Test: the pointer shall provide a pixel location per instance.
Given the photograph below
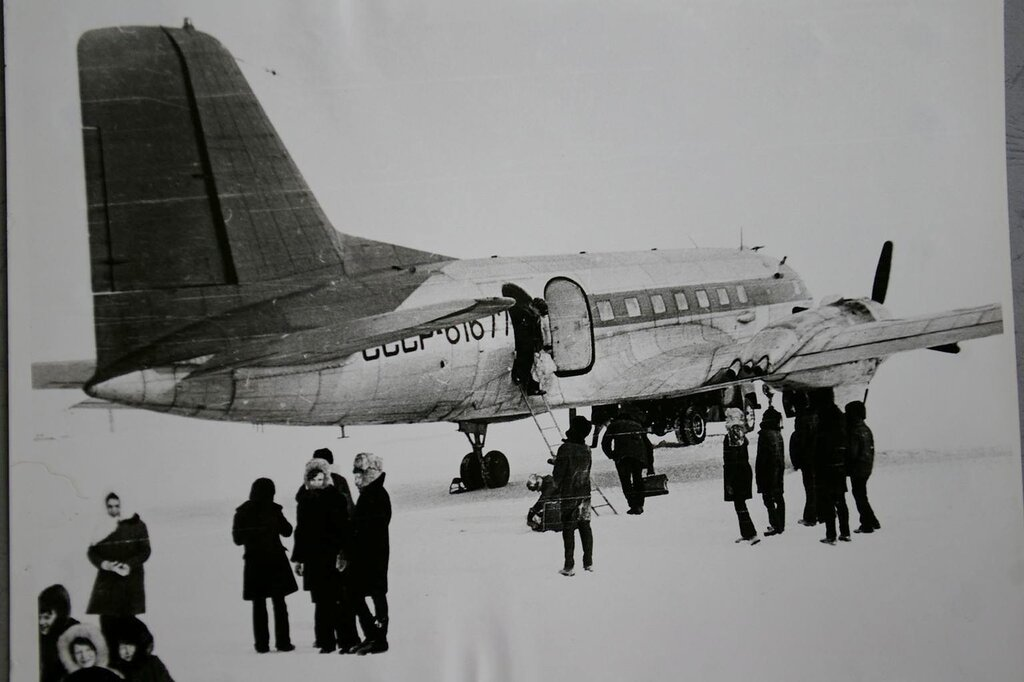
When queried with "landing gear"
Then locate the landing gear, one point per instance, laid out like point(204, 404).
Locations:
point(477, 469)
point(690, 426)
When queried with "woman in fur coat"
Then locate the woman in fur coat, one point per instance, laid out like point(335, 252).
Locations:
point(321, 533)
point(259, 525)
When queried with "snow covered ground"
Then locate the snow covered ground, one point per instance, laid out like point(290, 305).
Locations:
point(938, 594)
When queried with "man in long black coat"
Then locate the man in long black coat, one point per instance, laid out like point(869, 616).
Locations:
point(119, 590)
point(830, 470)
point(802, 443)
point(370, 551)
point(769, 467)
point(861, 460)
point(528, 336)
point(737, 477)
point(54, 619)
point(259, 525)
point(626, 443)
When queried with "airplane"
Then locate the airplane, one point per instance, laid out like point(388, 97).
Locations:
point(221, 290)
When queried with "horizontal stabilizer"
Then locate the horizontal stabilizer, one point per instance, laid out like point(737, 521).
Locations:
point(336, 342)
point(62, 374)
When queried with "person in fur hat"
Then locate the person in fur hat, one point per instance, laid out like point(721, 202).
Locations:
point(134, 656)
point(119, 549)
point(370, 552)
point(572, 486)
point(259, 525)
point(347, 635)
point(321, 533)
point(769, 466)
point(54, 619)
point(83, 651)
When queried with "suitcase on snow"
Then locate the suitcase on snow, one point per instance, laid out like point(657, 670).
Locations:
point(654, 485)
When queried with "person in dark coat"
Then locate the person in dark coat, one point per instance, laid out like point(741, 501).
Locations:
point(526, 328)
point(54, 619)
point(321, 532)
point(769, 467)
point(571, 478)
point(134, 657)
point(259, 525)
point(626, 443)
point(119, 590)
point(738, 477)
point(370, 552)
point(861, 454)
point(830, 470)
point(801, 452)
point(347, 635)
point(83, 651)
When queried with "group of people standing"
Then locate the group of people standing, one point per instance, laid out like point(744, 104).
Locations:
point(341, 550)
point(826, 446)
point(121, 646)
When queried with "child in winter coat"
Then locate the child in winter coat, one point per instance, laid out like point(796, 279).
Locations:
point(134, 656)
point(83, 651)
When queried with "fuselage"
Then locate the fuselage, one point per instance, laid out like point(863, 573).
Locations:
point(632, 324)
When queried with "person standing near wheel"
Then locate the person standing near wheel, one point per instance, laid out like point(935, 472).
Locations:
point(862, 458)
point(769, 466)
point(737, 475)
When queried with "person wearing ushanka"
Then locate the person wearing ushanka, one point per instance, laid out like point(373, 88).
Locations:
point(119, 549)
point(769, 467)
point(133, 656)
point(737, 474)
point(572, 487)
point(321, 531)
point(84, 653)
point(370, 553)
point(259, 525)
point(54, 619)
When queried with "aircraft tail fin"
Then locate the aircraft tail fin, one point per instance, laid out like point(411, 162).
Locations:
point(194, 204)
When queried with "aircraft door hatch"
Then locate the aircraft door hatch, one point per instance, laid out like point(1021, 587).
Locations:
point(572, 331)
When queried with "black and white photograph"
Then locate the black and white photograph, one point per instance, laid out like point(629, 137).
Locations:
point(510, 341)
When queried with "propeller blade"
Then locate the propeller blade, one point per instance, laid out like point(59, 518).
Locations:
point(881, 284)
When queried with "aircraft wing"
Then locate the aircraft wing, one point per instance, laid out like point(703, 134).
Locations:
point(338, 341)
point(702, 367)
point(836, 346)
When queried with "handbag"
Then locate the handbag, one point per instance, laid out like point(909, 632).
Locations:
point(654, 485)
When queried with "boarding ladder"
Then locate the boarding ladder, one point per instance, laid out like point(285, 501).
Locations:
point(552, 435)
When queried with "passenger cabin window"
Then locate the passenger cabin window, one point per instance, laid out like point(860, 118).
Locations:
point(632, 307)
point(741, 294)
point(604, 310)
point(702, 299)
point(681, 303)
point(723, 297)
point(658, 304)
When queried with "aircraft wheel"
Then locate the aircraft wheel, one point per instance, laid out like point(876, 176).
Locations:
point(690, 427)
point(470, 472)
point(495, 469)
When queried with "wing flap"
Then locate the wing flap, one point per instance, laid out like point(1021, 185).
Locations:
point(62, 374)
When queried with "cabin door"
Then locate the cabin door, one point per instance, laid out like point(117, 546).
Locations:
point(572, 333)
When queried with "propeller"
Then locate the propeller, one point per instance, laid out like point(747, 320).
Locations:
point(881, 283)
